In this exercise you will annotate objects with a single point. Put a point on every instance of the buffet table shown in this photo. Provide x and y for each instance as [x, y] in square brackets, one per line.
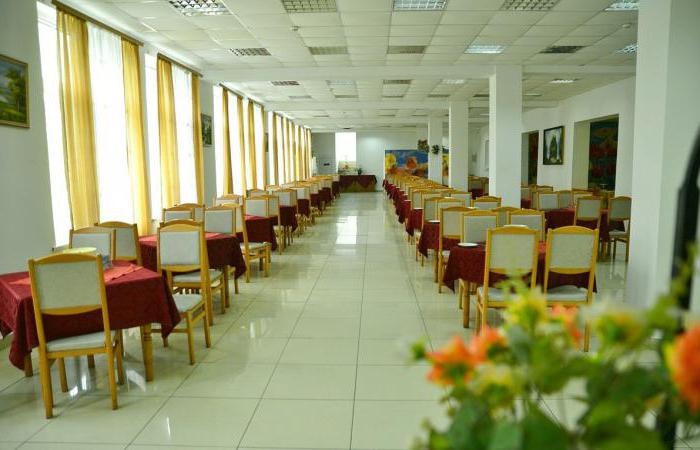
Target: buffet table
[358, 183]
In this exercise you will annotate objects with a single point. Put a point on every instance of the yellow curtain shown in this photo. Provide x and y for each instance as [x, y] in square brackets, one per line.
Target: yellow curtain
[170, 176]
[134, 134]
[275, 154]
[263, 118]
[78, 132]
[292, 161]
[251, 145]
[297, 166]
[309, 157]
[287, 161]
[302, 153]
[197, 135]
[228, 179]
[241, 141]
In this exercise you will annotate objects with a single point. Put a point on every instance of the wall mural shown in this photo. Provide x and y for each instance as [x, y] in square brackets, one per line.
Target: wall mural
[602, 154]
[413, 162]
[445, 165]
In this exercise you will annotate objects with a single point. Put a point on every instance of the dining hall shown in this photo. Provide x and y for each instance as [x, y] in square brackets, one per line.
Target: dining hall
[349, 224]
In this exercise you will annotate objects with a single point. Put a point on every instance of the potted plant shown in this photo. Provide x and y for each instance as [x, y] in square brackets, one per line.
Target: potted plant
[435, 149]
[423, 145]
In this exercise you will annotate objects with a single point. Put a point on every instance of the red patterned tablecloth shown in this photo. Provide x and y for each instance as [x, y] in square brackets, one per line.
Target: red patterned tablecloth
[429, 238]
[304, 205]
[563, 217]
[468, 264]
[414, 221]
[260, 229]
[222, 249]
[288, 216]
[134, 299]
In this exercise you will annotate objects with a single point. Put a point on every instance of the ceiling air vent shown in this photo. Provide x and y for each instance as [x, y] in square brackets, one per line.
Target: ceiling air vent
[397, 81]
[285, 83]
[345, 96]
[632, 48]
[309, 6]
[340, 82]
[624, 5]
[249, 51]
[481, 95]
[193, 8]
[438, 95]
[337, 50]
[529, 5]
[419, 5]
[405, 50]
[299, 97]
[392, 96]
[562, 49]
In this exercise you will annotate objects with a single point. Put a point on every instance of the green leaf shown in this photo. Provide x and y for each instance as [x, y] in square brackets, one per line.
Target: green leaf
[541, 432]
[470, 427]
[626, 437]
[506, 435]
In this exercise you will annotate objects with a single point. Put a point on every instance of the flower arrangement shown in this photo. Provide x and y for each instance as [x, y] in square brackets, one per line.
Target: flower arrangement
[423, 145]
[496, 382]
[435, 149]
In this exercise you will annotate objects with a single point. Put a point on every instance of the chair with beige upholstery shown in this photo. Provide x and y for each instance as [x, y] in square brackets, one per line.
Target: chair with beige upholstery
[570, 251]
[620, 210]
[475, 183]
[525, 193]
[197, 210]
[70, 284]
[256, 193]
[533, 219]
[273, 212]
[486, 202]
[288, 197]
[222, 219]
[252, 251]
[510, 251]
[565, 198]
[577, 194]
[462, 195]
[588, 209]
[303, 193]
[430, 200]
[228, 199]
[126, 237]
[180, 212]
[502, 212]
[103, 239]
[547, 200]
[182, 253]
[450, 228]
[475, 224]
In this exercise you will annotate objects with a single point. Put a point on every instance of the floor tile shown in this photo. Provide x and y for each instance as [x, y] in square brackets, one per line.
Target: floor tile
[320, 382]
[320, 351]
[394, 383]
[226, 380]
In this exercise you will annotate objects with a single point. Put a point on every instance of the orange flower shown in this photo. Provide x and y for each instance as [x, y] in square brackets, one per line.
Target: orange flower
[451, 362]
[683, 359]
[483, 342]
[568, 318]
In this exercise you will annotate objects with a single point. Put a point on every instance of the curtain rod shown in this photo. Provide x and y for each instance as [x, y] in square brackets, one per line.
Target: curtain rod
[65, 8]
[178, 63]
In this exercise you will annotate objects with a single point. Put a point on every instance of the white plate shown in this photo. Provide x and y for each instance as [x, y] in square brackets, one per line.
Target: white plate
[434, 221]
[467, 244]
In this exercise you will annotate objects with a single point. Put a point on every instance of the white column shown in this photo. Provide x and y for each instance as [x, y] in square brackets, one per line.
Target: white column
[435, 138]
[459, 145]
[505, 128]
[666, 122]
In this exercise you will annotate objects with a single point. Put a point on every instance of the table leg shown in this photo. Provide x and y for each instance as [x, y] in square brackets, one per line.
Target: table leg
[147, 348]
[28, 368]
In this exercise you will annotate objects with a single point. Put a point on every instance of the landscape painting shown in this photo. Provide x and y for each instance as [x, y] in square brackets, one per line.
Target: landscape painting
[412, 162]
[13, 92]
[553, 151]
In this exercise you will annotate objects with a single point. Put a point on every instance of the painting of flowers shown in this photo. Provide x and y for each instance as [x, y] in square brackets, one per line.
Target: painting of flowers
[13, 92]
[553, 147]
[413, 162]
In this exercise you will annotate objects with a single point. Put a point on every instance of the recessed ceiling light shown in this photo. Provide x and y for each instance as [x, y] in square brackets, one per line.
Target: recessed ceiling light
[485, 49]
[397, 81]
[448, 81]
[285, 83]
[249, 51]
[340, 82]
[309, 6]
[624, 5]
[562, 49]
[392, 96]
[632, 48]
[438, 95]
[299, 97]
[529, 5]
[563, 80]
[405, 50]
[192, 8]
[532, 94]
[419, 5]
[335, 50]
[345, 96]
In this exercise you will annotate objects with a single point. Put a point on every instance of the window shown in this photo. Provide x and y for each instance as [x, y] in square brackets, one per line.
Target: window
[182, 88]
[219, 137]
[259, 125]
[271, 174]
[151, 75]
[345, 147]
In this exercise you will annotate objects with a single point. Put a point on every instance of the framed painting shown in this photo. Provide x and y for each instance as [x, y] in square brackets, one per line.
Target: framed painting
[413, 162]
[14, 92]
[553, 148]
[206, 130]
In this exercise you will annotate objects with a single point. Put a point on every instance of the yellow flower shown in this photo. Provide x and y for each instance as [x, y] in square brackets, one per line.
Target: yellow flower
[527, 310]
[389, 160]
[619, 327]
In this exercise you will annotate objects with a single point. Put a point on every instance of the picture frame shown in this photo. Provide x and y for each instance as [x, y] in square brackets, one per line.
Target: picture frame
[553, 146]
[206, 130]
[14, 92]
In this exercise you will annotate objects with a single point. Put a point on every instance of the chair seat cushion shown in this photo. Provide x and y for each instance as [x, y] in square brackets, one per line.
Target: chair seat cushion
[185, 302]
[83, 341]
[256, 245]
[495, 294]
[567, 292]
[196, 277]
[617, 233]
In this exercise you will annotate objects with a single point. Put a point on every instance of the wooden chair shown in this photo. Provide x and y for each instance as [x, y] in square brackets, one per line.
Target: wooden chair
[197, 210]
[103, 239]
[502, 212]
[126, 236]
[228, 199]
[288, 197]
[510, 251]
[571, 250]
[179, 212]
[620, 210]
[577, 194]
[486, 202]
[222, 219]
[252, 250]
[430, 205]
[565, 197]
[588, 209]
[547, 200]
[534, 220]
[68, 284]
[450, 228]
[462, 195]
[302, 193]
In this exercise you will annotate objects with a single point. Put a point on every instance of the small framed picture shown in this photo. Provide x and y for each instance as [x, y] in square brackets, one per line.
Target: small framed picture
[14, 92]
[206, 129]
[553, 148]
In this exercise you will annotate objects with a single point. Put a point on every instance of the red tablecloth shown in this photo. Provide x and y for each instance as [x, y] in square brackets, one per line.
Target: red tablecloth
[468, 264]
[525, 203]
[476, 192]
[565, 217]
[326, 195]
[134, 299]
[429, 238]
[260, 229]
[315, 200]
[304, 205]
[335, 188]
[414, 221]
[366, 182]
[288, 216]
[222, 250]
[404, 210]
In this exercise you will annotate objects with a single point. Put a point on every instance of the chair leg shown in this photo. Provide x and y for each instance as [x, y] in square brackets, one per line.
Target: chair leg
[62, 375]
[190, 337]
[465, 307]
[120, 361]
[586, 337]
[460, 289]
[91, 361]
[439, 274]
[165, 341]
[110, 376]
[209, 304]
[46, 389]
[224, 291]
[627, 250]
[207, 333]
[235, 284]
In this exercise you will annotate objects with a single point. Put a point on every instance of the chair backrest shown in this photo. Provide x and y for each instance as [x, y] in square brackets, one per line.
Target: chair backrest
[451, 221]
[273, 205]
[220, 219]
[417, 198]
[303, 192]
[531, 218]
[575, 195]
[197, 210]
[256, 193]
[181, 247]
[180, 212]
[101, 238]
[313, 188]
[466, 196]
[547, 200]
[571, 250]
[588, 208]
[511, 251]
[564, 199]
[486, 202]
[272, 188]
[228, 199]
[619, 208]
[475, 224]
[256, 206]
[475, 183]
[288, 197]
[336, 177]
[447, 202]
[126, 237]
[502, 212]
[430, 208]
[544, 187]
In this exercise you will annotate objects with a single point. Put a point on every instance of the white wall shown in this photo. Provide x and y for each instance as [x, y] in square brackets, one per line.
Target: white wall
[206, 102]
[323, 148]
[614, 99]
[478, 135]
[371, 146]
[27, 228]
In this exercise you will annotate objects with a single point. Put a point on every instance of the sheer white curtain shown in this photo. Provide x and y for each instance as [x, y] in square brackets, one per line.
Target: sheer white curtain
[271, 175]
[151, 73]
[218, 94]
[246, 150]
[109, 115]
[259, 149]
[182, 88]
[234, 130]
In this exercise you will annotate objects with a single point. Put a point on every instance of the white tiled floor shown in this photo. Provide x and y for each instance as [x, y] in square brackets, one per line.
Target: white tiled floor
[316, 356]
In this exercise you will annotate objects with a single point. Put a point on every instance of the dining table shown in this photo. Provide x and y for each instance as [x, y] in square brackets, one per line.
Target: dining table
[304, 207]
[288, 216]
[260, 229]
[136, 297]
[563, 217]
[429, 238]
